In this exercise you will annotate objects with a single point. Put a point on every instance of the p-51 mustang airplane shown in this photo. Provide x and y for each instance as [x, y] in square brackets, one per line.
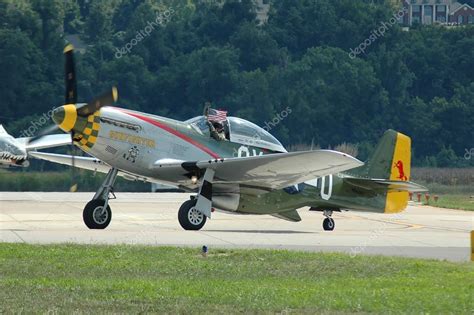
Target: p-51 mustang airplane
[245, 170]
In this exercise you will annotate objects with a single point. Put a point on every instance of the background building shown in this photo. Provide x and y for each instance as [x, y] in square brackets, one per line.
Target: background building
[448, 12]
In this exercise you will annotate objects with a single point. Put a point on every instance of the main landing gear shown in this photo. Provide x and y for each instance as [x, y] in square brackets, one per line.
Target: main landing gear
[189, 217]
[192, 214]
[328, 222]
[97, 213]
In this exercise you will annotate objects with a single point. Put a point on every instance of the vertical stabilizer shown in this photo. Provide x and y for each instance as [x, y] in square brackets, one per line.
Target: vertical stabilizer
[3, 132]
[400, 170]
[391, 160]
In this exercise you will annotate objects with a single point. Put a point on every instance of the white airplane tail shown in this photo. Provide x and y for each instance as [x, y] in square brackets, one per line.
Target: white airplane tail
[2, 130]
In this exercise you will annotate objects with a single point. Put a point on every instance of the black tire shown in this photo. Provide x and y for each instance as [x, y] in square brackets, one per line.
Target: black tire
[93, 218]
[328, 224]
[189, 218]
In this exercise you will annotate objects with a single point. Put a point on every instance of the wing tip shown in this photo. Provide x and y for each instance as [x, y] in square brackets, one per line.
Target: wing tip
[354, 160]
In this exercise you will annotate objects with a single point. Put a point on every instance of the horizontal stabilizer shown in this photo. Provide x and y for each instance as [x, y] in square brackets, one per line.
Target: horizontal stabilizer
[385, 185]
[398, 185]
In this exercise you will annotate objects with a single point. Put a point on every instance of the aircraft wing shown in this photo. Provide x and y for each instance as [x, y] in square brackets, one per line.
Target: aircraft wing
[84, 162]
[272, 171]
[87, 163]
[48, 141]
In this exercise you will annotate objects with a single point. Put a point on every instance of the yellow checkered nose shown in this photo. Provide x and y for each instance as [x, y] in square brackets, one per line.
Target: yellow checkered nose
[87, 130]
[65, 117]
[84, 129]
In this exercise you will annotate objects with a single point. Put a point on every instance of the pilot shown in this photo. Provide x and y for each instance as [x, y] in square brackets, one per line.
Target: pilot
[217, 130]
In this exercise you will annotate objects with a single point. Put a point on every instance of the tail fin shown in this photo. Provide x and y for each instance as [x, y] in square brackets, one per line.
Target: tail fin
[391, 158]
[391, 161]
[2, 130]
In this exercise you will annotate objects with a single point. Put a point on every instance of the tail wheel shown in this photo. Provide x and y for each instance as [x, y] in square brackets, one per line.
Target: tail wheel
[328, 224]
[190, 218]
[95, 216]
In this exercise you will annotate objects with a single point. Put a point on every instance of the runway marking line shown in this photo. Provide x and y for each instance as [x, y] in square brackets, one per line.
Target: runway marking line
[410, 226]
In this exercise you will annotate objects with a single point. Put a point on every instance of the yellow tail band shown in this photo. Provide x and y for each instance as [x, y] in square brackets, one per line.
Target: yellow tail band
[400, 170]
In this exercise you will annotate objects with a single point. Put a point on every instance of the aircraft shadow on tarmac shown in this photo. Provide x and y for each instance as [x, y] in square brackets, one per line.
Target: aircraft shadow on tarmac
[262, 231]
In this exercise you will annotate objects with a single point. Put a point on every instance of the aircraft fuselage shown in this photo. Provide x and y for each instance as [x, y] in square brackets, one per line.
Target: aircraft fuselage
[133, 142]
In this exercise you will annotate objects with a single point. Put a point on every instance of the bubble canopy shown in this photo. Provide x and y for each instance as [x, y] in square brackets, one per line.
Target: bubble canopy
[242, 131]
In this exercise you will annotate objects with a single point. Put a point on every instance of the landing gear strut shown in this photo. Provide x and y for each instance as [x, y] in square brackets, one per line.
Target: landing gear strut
[192, 214]
[97, 213]
[328, 222]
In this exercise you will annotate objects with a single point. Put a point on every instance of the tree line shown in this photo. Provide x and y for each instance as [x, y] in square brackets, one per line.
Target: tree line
[170, 57]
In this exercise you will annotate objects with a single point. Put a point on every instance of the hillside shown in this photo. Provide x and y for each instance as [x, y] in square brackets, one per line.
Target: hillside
[170, 57]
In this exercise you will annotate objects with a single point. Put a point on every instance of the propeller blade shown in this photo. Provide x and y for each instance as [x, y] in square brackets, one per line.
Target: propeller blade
[42, 133]
[73, 187]
[70, 76]
[107, 98]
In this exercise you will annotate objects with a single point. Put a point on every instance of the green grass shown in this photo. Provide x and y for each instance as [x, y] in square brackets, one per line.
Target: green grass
[27, 180]
[450, 196]
[463, 202]
[110, 279]
[441, 189]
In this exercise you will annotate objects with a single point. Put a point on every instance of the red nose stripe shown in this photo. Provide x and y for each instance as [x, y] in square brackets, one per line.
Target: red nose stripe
[174, 132]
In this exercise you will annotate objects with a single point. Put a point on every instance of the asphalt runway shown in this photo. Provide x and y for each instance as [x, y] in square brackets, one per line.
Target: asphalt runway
[151, 218]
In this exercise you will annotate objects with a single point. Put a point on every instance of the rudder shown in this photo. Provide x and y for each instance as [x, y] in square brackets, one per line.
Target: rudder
[391, 160]
[400, 170]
